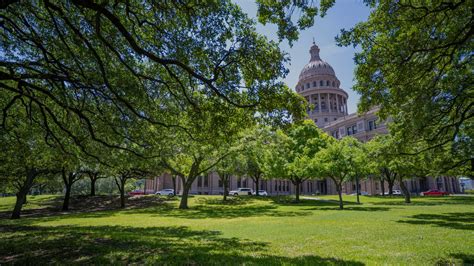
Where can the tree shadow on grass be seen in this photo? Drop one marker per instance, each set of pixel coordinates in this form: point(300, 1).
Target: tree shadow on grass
point(369, 209)
point(96, 206)
point(288, 201)
point(218, 211)
point(131, 245)
point(429, 201)
point(456, 220)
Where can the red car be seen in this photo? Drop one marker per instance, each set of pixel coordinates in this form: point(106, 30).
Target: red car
point(136, 192)
point(435, 192)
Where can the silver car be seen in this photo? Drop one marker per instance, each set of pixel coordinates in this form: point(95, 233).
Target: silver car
point(241, 191)
point(165, 192)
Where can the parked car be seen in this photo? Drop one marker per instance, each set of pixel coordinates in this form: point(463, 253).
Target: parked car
point(165, 192)
point(363, 193)
point(395, 192)
point(261, 193)
point(434, 192)
point(136, 192)
point(241, 191)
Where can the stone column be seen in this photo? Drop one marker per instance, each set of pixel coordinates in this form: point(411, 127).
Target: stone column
point(319, 103)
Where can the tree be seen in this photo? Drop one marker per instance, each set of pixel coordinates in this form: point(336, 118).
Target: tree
point(253, 150)
point(416, 64)
point(337, 162)
point(93, 175)
point(381, 153)
point(359, 164)
point(69, 178)
point(292, 151)
point(88, 60)
point(25, 156)
point(394, 158)
point(227, 167)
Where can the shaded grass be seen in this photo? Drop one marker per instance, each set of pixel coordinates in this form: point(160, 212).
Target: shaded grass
point(248, 230)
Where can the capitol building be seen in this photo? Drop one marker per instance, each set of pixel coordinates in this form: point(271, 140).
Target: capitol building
point(321, 88)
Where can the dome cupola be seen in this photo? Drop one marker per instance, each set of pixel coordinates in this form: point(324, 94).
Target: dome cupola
point(316, 65)
point(319, 85)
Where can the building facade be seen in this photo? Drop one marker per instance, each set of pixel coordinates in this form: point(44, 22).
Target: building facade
point(319, 85)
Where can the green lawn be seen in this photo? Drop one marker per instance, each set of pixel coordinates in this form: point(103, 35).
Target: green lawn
point(251, 231)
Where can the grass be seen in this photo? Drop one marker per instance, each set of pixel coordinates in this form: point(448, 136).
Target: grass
point(268, 231)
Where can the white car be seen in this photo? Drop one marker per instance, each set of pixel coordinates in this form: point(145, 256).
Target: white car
point(165, 192)
point(261, 193)
point(241, 191)
point(395, 192)
point(362, 193)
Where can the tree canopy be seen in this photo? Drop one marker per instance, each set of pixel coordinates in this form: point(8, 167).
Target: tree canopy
point(416, 63)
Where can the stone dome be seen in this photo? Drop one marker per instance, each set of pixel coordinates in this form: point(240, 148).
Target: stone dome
point(316, 66)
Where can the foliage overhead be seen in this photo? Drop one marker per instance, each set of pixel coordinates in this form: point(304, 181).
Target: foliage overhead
point(115, 69)
point(416, 62)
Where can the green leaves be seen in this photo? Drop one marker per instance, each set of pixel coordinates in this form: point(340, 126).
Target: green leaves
point(416, 64)
point(282, 13)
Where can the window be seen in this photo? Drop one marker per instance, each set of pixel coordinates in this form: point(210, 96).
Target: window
point(376, 185)
point(287, 185)
point(315, 84)
point(321, 83)
point(307, 85)
point(327, 83)
point(199, 181)
point(239, 182)
point(206, 181)
point(335, 118)
point(334, 84)
point(316, 120)
point(325, 119)
point(244, 183)
point(221, 184)
point(349, 131)
point(372, 125)
point(354, 129)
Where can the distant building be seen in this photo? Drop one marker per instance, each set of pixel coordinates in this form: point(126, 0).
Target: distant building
point(466, 183)
point(320, 86)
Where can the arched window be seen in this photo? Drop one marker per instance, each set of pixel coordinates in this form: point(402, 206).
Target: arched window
point(307, 85)
point(327, 83)
point(321, 83)
point(334, 84)
point(315, 84)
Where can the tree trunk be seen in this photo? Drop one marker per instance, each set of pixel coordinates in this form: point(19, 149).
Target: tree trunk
point(226, 187)
point(382, 183)
point(357, 189)
point(405, 190)
point(183, 204)
point(69, 179)
point(121, 186)
point(144, 187)
point(339, 192)
point(93, 180)
point(297, 192)
point(22, 192)
point(174, 185)
point(390, 186)
point(122, 192)
point(256, 185)
point(67, 196)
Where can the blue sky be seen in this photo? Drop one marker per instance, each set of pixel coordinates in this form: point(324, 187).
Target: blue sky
point(344, 14)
